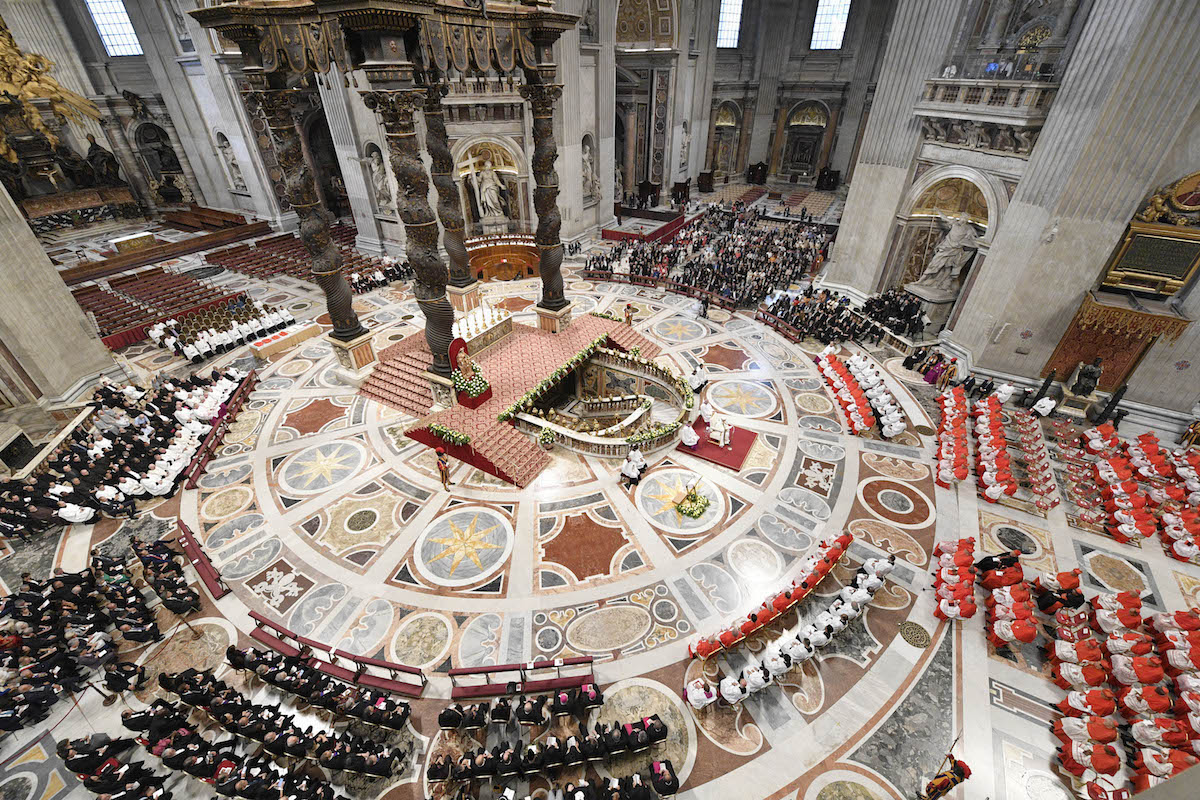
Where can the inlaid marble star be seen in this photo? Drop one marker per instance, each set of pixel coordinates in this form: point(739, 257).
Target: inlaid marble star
point(321, 465)
point(666, 496)
point(736, 396)
point(675, 329)
point(462, 544)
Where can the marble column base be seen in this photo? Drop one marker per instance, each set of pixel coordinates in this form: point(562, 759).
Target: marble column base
point(356, 358)
point(554, 321)
point(464, 298)
point(442, 390)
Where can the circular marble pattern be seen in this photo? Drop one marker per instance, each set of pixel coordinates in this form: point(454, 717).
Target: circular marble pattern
point(742, 398)
point(655, 498)
point(464, 546)
point(846, 790)
point(915, 635)
point(609, 628)
point(315, 469)
point(1016, 539)
point(422, 639)
point(297, 366)
point(18, 787)
point(756, 562)
point(680, 329)
point(363, 520)
point(813, 403)
point(899, 504)
point(1114, 572)
point(227, 502)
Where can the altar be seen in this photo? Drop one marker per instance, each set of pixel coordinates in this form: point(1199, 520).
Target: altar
point(134, 241)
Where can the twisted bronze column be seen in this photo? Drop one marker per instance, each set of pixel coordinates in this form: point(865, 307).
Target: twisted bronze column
point(397, 110)
point(278, 106)
point(542, 97)
point(441, 170)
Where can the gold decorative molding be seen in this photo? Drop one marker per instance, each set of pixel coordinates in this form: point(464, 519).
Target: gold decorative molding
point(25, 77)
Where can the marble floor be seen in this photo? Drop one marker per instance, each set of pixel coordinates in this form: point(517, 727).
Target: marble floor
point(320, 513)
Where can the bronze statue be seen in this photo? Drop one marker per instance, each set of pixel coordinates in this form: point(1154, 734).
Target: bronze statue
point(103, 163)
point(1087, 378)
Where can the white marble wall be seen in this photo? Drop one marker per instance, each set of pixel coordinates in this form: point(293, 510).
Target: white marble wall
point(917, 40)
point(41, 325)
point(1104, 145)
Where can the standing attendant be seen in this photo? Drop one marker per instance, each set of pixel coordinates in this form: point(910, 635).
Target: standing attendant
point(443, 465)
point(629, 314)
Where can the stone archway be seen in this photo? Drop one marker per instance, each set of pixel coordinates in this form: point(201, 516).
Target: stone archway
point(492, 185)
point(726, 139)
point(804, 138)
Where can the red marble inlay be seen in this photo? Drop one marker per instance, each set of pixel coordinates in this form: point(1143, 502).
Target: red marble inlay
point(584, 546)
point(315, 416)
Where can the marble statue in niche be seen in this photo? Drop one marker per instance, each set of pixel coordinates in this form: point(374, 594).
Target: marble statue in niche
point(489, 193)
point(380, 186)
point(231, 163)
point(589, 22)
point(951, 254)
point(591, 181)
point(685, 146)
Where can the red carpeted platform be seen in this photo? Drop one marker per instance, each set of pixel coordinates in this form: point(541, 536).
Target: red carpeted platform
point(740, 442)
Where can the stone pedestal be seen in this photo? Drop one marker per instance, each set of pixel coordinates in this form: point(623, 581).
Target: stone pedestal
point(935, 304)
point(442, 390)
point(1077, 405)
point(356, 358)
point(554, 321)
point(495, 225)
point(464, 298)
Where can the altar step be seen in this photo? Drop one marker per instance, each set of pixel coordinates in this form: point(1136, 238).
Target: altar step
point(398, 379)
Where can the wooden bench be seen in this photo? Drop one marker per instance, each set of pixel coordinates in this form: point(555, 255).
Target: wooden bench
point(391, 684)
point(201, 563)
point(275, 642)
point(525, 681)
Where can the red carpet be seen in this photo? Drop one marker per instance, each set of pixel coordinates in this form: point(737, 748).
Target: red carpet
point(740, 440)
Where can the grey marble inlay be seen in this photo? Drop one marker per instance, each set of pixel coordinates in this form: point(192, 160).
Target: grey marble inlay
point(913, 740)
point(694, 604)
point(574, 502)
point(894, 449)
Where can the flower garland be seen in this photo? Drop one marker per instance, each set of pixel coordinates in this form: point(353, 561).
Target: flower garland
point(547, 383)
point(449, 435)
point(473, 386)
point(606, 315)
point(693, 505)
point(661, 429)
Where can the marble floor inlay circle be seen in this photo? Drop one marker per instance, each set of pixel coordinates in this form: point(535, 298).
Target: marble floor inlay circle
point(464, 546)
point(317, 468)
point(656, 494)
point(743, 398)
point(897, 503)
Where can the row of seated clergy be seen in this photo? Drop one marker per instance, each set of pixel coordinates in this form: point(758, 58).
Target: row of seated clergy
point(140, 443)
point(163, 569)
point(276, 730)
point(295, 675)
point(220, 331)
point(168, 735)
point(813, 569)
point(631, 787)
point(548, 755)
point(528, 710)
point(797, 646)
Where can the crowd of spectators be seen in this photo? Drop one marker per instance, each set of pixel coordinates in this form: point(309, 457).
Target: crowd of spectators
point(389, 271)
point(732, 253)
point(824, 316)
point(898, 311)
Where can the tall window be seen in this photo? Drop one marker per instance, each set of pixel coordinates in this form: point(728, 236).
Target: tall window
point(729, 23)
point(830, 25)
point(116, 31)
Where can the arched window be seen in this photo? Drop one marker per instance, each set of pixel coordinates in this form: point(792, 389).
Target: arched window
point(729, 23)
